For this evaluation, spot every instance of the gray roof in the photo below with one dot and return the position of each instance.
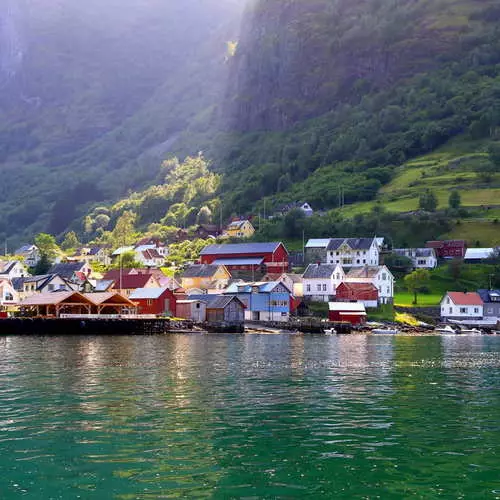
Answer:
(221, 301)
(103, 285)
(354, 243)
(200, 271)
(417, 252)
(486, 295)
(319, 271)
(147, 293)
(66, 269)
(240, 248)
(249, 261)
(7, 266)
(41, 280)
(318, 243)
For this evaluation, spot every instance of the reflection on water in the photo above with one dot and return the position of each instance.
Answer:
(271, 416)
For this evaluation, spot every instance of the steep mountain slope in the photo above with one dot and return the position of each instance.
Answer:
(351, 90)
(93, 94)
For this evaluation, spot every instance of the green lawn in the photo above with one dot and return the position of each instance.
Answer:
(405, 299)
(487, 233)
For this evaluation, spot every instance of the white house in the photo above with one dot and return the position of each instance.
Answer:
(379, 276)
(422, 258)
(149, 257)
(353, 252)
(30, 253)
(10, 269)
(8, 294)
(26, 287)
(459, 305)
(160, 248)
(320, 281)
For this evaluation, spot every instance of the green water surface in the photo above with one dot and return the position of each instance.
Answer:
(221, 416)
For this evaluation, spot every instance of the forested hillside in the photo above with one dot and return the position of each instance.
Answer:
(94, 94)
(342, 93)
(312, 99)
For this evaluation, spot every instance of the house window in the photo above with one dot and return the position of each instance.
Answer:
(490, 310)
(451, 310)
(318, 287)
(197, 306)
(384, 276)
(476, 309)
(51, 287)
(364, 261)
(150, 302)
(358, 261)
(448, 300)
(324, 288)
(463, 310)
(388, 290)
(308, 288)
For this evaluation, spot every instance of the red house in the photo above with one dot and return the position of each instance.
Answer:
(265, 257)
(367, 293)
(448, 248)
(159, 301)
(349, 312)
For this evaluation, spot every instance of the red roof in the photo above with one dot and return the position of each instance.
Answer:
(465, 299)
(360, 287)
(133, 281)
(446, 243)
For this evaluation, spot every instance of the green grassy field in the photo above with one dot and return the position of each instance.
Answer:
(405, 299)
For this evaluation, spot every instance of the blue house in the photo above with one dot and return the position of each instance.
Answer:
(263, 301)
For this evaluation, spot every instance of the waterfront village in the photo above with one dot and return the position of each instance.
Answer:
(233, 281)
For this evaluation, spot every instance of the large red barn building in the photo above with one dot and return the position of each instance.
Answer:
(265, 257)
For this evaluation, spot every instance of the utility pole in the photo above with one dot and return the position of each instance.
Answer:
(264, 209)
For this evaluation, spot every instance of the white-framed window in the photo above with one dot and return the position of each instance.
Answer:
(324, 287)
(308, 288)
(476, 309)
(318, 287)
(463, 310)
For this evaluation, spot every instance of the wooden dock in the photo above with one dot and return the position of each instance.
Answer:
(79, 326)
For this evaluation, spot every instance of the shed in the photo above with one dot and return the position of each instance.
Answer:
(194, 309)
(351, 312)
(225, 308)
(366, 293)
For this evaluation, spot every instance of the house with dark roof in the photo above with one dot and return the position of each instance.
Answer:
(150, 257)
(239, 229)
(71, 271)
(10, 269)
(304, 206)
(260, 257)
(99, 254)
(462, 306)
(491, 303)
(320, 281)
(205, 277)
(353, 252)
(46, 283)
(30, 253)
(422, 258)
(264, 301)
(214, 308)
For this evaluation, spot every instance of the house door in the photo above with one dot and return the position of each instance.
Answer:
(255, 316)
(166, 308)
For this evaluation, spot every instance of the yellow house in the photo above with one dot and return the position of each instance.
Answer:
(240, 229)
(205, 277)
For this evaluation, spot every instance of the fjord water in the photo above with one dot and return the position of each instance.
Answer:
(220, 416)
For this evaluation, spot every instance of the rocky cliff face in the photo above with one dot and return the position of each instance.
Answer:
(12, 46)
(299, 58)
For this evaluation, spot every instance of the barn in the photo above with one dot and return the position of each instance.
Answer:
(260, 257)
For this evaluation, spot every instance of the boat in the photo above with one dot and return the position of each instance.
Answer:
(330, 331)
(385, 331)
(446, 329)
(469, 331)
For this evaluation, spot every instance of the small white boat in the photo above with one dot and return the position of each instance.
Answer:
(469, 331)
(446, 329)
(330, 331)
(385, 331)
